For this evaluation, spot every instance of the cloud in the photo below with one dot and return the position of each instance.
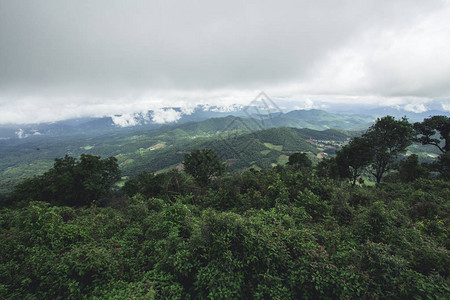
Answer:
(446, 106)
(127, 120)
(417, 108)
(162, 116)
(21, 134)
(407, 60)
(94, 58)
(307, 104)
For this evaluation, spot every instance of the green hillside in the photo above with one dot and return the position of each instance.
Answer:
(153, 150)
(319, 120)
(272, 234)
(239, 141)
(262, 229)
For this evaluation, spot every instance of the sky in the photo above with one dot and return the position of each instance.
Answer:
(67, 59)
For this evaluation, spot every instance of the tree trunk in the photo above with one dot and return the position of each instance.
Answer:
(355, 175)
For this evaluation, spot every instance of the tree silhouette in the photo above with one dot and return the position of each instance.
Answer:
(300, 161)
(72, 182)
(353, 158)
(429, 128)
(388, 138)
(203, 165)
(410, 169)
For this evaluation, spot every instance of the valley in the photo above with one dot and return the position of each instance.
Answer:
(259, 142)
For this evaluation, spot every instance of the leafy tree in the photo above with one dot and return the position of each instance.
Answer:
(72, 182)
(443, 165)
(146, 184)
(174, 182)
(353, 158)
(388, 138)
(203, 165)
(427, 133)
(429, 128)
(269, 234)
(292, 241)
(328, 168)
(95, 176)
(300, 161)
(409, 169)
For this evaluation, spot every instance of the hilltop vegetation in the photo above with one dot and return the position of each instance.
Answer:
(238, 140)
(140, 150)
(295, 231)
(277, 233)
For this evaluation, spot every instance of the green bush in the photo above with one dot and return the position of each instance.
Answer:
(273, 234)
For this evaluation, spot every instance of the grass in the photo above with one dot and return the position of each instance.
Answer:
(127, 161)
(157, 146)
(274, 147)
(283, 159)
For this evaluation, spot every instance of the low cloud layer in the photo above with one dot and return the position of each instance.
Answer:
(91, 58)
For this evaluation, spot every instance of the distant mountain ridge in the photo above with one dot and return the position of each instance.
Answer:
(175, 116)
(257, 141)
(237, 140)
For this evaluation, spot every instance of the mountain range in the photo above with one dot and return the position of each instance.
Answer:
(242, 139)
(175, 116)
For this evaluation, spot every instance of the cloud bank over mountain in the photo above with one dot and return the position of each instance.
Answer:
(91, 58)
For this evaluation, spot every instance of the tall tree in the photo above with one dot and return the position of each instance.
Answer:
(328, 168)
(428, 130)
(203, 165)
(388, 138)
(443, 165)
(146, 184)
(410, 169)
(353, 158)
(72, 182)
(300, 161)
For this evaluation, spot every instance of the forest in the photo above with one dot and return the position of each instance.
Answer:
(300, 230)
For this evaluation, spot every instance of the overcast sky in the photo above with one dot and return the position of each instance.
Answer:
(61, 59)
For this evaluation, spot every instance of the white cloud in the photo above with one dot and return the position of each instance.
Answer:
(62, 60)
(126, 120)
(187, 109)
(408, 60)
(162, 116)
(21, 134)
(446, 106)
(307, 104)
(416, 107)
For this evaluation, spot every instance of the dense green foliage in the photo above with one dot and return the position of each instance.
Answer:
(277, 233)
(379, 149)
(410, 169)
(289, 232)
(430, 128)
(153, 150)
(354, 157)
(71, 182)
(388, 138)
(300, 161)
(203, 165)
(443, 165)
